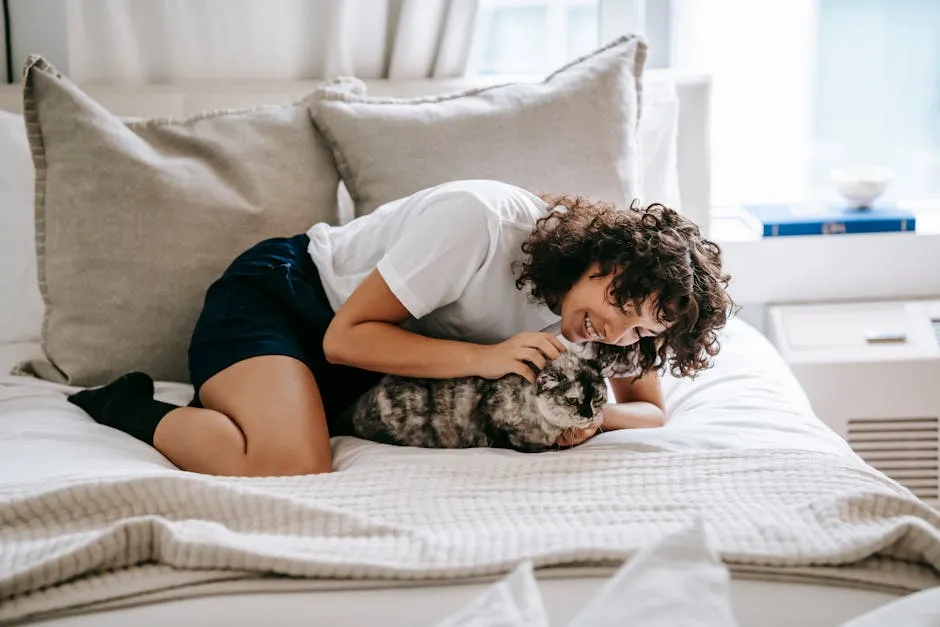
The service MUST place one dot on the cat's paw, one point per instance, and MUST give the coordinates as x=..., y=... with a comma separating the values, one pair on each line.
x=573, y=437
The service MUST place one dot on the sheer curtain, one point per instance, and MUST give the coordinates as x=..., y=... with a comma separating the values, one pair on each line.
x=134, y=41
x=528, y=38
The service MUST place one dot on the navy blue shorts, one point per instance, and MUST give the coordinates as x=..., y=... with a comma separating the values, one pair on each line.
x=270, y=301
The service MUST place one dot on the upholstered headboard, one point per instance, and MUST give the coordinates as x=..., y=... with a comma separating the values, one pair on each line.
x=177, y=100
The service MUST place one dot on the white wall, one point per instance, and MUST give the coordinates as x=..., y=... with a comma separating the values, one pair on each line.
x=39, y=26
x=834, y=268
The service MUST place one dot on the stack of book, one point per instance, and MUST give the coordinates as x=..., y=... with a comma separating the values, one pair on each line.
x=793, y=219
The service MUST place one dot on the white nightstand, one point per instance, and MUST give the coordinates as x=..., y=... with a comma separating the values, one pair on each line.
x=872, y=373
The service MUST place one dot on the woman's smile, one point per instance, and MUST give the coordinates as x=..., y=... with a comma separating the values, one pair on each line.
x=590, y=331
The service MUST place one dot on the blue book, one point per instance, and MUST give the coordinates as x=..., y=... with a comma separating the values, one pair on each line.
x=782, y=220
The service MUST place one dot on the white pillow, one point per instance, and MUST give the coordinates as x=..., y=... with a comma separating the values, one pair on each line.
x=679, y=581
x=657, y=142
x=21, y=305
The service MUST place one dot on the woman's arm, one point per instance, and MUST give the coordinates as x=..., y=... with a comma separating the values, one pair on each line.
x=365, y=333
x=639, y=403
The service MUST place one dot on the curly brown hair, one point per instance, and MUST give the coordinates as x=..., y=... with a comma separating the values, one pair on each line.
x=651, y=251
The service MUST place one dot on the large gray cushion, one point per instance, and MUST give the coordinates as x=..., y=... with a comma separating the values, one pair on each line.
x=573, y=133
x=134, y=220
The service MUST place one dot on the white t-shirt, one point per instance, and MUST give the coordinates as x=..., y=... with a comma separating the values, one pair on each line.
x=447, y=254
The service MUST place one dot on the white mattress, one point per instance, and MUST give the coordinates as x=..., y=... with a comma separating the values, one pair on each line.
x=749, y=401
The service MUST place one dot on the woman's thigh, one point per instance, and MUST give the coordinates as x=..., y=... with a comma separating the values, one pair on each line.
x=275, y=401
x=256, y=356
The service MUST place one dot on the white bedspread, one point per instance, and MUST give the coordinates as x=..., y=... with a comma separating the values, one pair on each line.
x=89, y=515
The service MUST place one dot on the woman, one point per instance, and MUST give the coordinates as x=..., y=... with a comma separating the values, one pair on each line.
x=468, y=278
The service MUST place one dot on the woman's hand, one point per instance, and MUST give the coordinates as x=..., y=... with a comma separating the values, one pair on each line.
x=573, y=437
x=519, y=354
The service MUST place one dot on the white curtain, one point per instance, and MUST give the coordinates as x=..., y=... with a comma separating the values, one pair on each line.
x=134, y=41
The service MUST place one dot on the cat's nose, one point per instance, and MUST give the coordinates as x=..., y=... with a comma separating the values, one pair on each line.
x=586, y=411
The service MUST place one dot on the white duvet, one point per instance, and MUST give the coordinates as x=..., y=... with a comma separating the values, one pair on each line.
x=90, y=515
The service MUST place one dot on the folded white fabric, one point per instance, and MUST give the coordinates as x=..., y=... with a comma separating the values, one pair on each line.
x=513, y=601
x=677, y=582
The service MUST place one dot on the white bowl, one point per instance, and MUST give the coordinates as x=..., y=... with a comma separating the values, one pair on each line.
x=861, y=186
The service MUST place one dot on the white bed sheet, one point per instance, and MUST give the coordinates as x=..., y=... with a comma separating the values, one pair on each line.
x=42, y=437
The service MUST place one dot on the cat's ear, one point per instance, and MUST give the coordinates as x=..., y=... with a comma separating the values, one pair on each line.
x=545, y=381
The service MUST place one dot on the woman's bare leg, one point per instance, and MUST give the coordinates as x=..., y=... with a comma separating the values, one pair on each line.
x=262, y=417
x=201, y=440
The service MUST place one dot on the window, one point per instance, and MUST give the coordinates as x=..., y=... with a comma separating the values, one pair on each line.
x=877, y=91
x=800, y=87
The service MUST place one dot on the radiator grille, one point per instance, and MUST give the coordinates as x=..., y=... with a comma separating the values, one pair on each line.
x=905, y=449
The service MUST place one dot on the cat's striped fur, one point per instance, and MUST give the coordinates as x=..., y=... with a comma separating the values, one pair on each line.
x=473, y=412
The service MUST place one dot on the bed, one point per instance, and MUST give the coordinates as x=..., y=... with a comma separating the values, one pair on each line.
x=748, y=403
x=101, y=529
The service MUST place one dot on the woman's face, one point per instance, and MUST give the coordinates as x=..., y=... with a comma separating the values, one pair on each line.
x=588, y=315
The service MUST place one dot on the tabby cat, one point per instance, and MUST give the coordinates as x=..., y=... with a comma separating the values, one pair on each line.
x=475, y=412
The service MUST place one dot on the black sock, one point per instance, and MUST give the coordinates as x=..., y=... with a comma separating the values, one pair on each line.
x=126, y=404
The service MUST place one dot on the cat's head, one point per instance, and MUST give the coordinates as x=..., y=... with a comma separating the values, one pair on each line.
x=571, y=392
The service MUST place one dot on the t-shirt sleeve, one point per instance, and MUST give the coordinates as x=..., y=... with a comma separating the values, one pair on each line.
x=445, y=243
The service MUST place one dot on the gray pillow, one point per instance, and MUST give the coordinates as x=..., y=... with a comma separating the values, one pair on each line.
x=573, y=133
x=134, y=220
